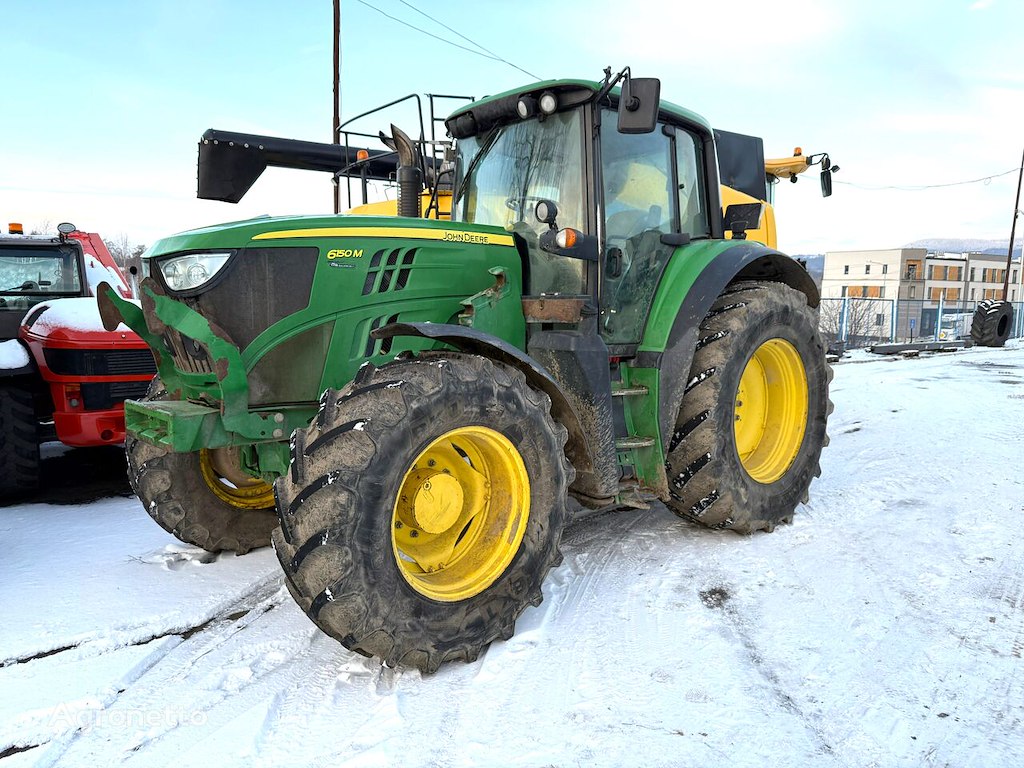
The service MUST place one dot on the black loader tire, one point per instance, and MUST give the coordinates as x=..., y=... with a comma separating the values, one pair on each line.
x=174, y=492
x=19, y=442
x=708, y=481
x=339, y=507
x=992, y=323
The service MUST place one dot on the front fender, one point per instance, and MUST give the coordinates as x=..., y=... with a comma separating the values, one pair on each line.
x=476, y=342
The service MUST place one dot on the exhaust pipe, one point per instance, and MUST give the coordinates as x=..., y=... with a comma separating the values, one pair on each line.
x=409, y=176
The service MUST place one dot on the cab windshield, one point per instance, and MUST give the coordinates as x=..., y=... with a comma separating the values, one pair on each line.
x=30, y=275
x=503, y=174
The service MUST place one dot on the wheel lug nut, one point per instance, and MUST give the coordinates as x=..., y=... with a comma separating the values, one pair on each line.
x=431, y=462
x=398, y=523
x=414, y=533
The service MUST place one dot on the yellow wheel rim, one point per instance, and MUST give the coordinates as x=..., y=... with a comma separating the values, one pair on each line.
x=461, y=514
x=240, y=490
x=771, y=410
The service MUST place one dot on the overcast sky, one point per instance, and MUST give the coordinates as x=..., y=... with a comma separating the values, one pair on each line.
x=103, y=102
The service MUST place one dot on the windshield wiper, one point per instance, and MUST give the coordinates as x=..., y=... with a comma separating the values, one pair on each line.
x=488, y=142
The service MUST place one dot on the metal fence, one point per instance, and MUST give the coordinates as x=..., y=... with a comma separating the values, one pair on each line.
x=857, y=322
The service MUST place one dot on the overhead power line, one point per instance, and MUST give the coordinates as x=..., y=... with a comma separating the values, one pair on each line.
x=919, y=187
x=489, y=52
x=482, y=52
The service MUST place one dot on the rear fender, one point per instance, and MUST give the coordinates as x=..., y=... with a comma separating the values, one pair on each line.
x=474, y=342
x=695, y=278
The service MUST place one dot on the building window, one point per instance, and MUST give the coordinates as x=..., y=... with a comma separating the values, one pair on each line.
x=881, y=292
x=846, y=269
x=972, y=294
x=913, y=291
x=972, y=274
x=931, y=271
x=843, y=292
x=879, y=318
x=1013, y=279
x=911, y=271
x=867, y=269
x=885, y=269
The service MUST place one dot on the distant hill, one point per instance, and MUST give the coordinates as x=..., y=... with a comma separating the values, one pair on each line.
x=963, y=245
x=815, y=265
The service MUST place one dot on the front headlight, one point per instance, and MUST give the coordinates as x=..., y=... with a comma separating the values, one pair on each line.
x=193, y=270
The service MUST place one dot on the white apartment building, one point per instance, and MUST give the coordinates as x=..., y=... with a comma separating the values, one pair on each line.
x=911, y=284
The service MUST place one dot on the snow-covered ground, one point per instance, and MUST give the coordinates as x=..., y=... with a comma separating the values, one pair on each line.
x=885, y=627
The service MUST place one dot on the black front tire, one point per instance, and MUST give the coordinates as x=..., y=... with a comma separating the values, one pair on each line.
x=19, y=442
x=709, y=482
x=339, y=505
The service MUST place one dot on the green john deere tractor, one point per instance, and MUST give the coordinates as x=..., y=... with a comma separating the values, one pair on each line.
x=413, y=409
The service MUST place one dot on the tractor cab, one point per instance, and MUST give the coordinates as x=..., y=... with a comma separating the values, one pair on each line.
x=599, y=210
x=33, y=270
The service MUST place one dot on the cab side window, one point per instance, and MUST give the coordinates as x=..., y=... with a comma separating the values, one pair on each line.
x=637, y=180
x=693, y=213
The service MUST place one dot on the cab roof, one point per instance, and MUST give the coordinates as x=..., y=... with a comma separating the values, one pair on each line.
x=667, y=107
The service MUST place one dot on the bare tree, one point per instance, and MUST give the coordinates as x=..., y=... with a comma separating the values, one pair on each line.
x=861, y=321
x=126, y=254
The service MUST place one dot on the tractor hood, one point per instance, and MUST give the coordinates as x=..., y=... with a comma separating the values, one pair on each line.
x=265, y=229
x=247, y=314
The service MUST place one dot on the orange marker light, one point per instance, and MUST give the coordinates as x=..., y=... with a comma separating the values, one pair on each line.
x=797, y=151
x=15, y=228
x=361, y=155
x=566, y=238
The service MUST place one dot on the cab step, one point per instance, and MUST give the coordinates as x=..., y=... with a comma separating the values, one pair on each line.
x=629, y=443
x=633, y=391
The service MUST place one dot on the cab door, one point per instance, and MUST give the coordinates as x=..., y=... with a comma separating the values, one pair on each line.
x=653, y=192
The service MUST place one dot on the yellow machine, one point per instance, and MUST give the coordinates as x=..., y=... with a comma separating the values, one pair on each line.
x=774, y=168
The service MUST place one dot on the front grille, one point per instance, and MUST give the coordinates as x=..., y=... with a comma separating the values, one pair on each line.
x=261, y=287
x=100, y=362
x=106, y=395
x=189, y=355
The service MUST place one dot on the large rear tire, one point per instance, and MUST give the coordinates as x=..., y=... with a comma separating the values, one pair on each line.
x=992, y=323
x=752, y=423
x=424, y=508
x=19, y=442
x=190, y=496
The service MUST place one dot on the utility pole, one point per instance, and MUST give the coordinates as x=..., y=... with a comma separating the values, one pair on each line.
x=1013, y=230
x=336, y=136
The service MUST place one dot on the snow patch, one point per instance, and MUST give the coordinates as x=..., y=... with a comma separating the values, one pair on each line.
x=13, y=355
x=81, y=314
x=97, y=272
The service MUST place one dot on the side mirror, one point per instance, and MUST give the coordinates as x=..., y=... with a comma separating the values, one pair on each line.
x=826, y=182
x=638, y=105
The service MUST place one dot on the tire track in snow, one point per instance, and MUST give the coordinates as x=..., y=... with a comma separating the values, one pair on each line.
x=720, y=599
x=146, y=705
